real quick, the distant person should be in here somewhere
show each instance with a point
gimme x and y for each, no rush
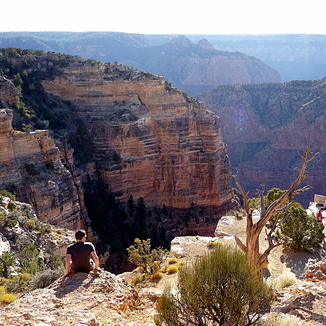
(320, 215)
(79, 254)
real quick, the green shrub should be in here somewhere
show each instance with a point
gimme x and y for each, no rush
(16, 284)
(5, 193)
(29, 259)
(44, 278)
(11, 223)
(31, 169)
(299, 231)
(147, 259)
(30, 224)
(219, 289)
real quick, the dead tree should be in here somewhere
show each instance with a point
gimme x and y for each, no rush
(253, 231)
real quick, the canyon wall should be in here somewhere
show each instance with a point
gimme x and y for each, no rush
(145, 139)
(265, 126)
(30, 166)
(169, 147)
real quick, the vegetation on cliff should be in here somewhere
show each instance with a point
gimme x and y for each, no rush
(27, 252)
(221, 288)
(121, 134)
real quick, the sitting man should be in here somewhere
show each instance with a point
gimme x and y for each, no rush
(78, 257)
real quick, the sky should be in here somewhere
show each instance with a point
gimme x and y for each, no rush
(166, 16)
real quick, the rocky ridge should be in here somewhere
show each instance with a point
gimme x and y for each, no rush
(189, 66)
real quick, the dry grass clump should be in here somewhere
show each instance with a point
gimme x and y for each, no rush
(138, 279)
(214, 243)
(277, 319)
(172, 260)
(282, 281)
(8, 298)
(172, 269)
(157, 275)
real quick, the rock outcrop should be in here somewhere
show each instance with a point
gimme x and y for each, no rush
(266, 125)
(30, 163)
(94, 299)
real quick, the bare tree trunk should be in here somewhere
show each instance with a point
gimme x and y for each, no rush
(253, 231)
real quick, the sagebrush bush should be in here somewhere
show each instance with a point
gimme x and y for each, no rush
(221, 288)
(137, 279)
(284, 280)
(214, 243)
(44, 278)
(30, 224)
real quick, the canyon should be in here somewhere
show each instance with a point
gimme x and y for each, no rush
(188, 66)
(125, 129)
(265, 127)
(293, 56)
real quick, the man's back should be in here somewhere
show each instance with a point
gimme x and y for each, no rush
(80, 255)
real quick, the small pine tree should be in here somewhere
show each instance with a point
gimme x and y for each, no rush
(222, 289)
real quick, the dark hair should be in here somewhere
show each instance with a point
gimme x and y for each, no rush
(80, 234)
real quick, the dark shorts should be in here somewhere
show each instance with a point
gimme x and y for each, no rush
(83, 271)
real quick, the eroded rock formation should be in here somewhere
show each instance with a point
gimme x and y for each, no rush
(266, 125)
(147, 140)
(31, 166)
(170, 146)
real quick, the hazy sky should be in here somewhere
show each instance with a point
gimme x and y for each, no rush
(166, 16)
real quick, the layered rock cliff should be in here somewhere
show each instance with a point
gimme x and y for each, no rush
(266, 125)
(129, 130)
(169, 147)
(31, 166)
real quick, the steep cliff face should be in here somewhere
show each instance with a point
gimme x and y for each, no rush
(266, 125)
(30, 164)
(150, 140)
(130, 131)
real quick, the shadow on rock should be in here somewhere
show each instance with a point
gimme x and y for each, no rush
(65, 285)
(297, 260)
